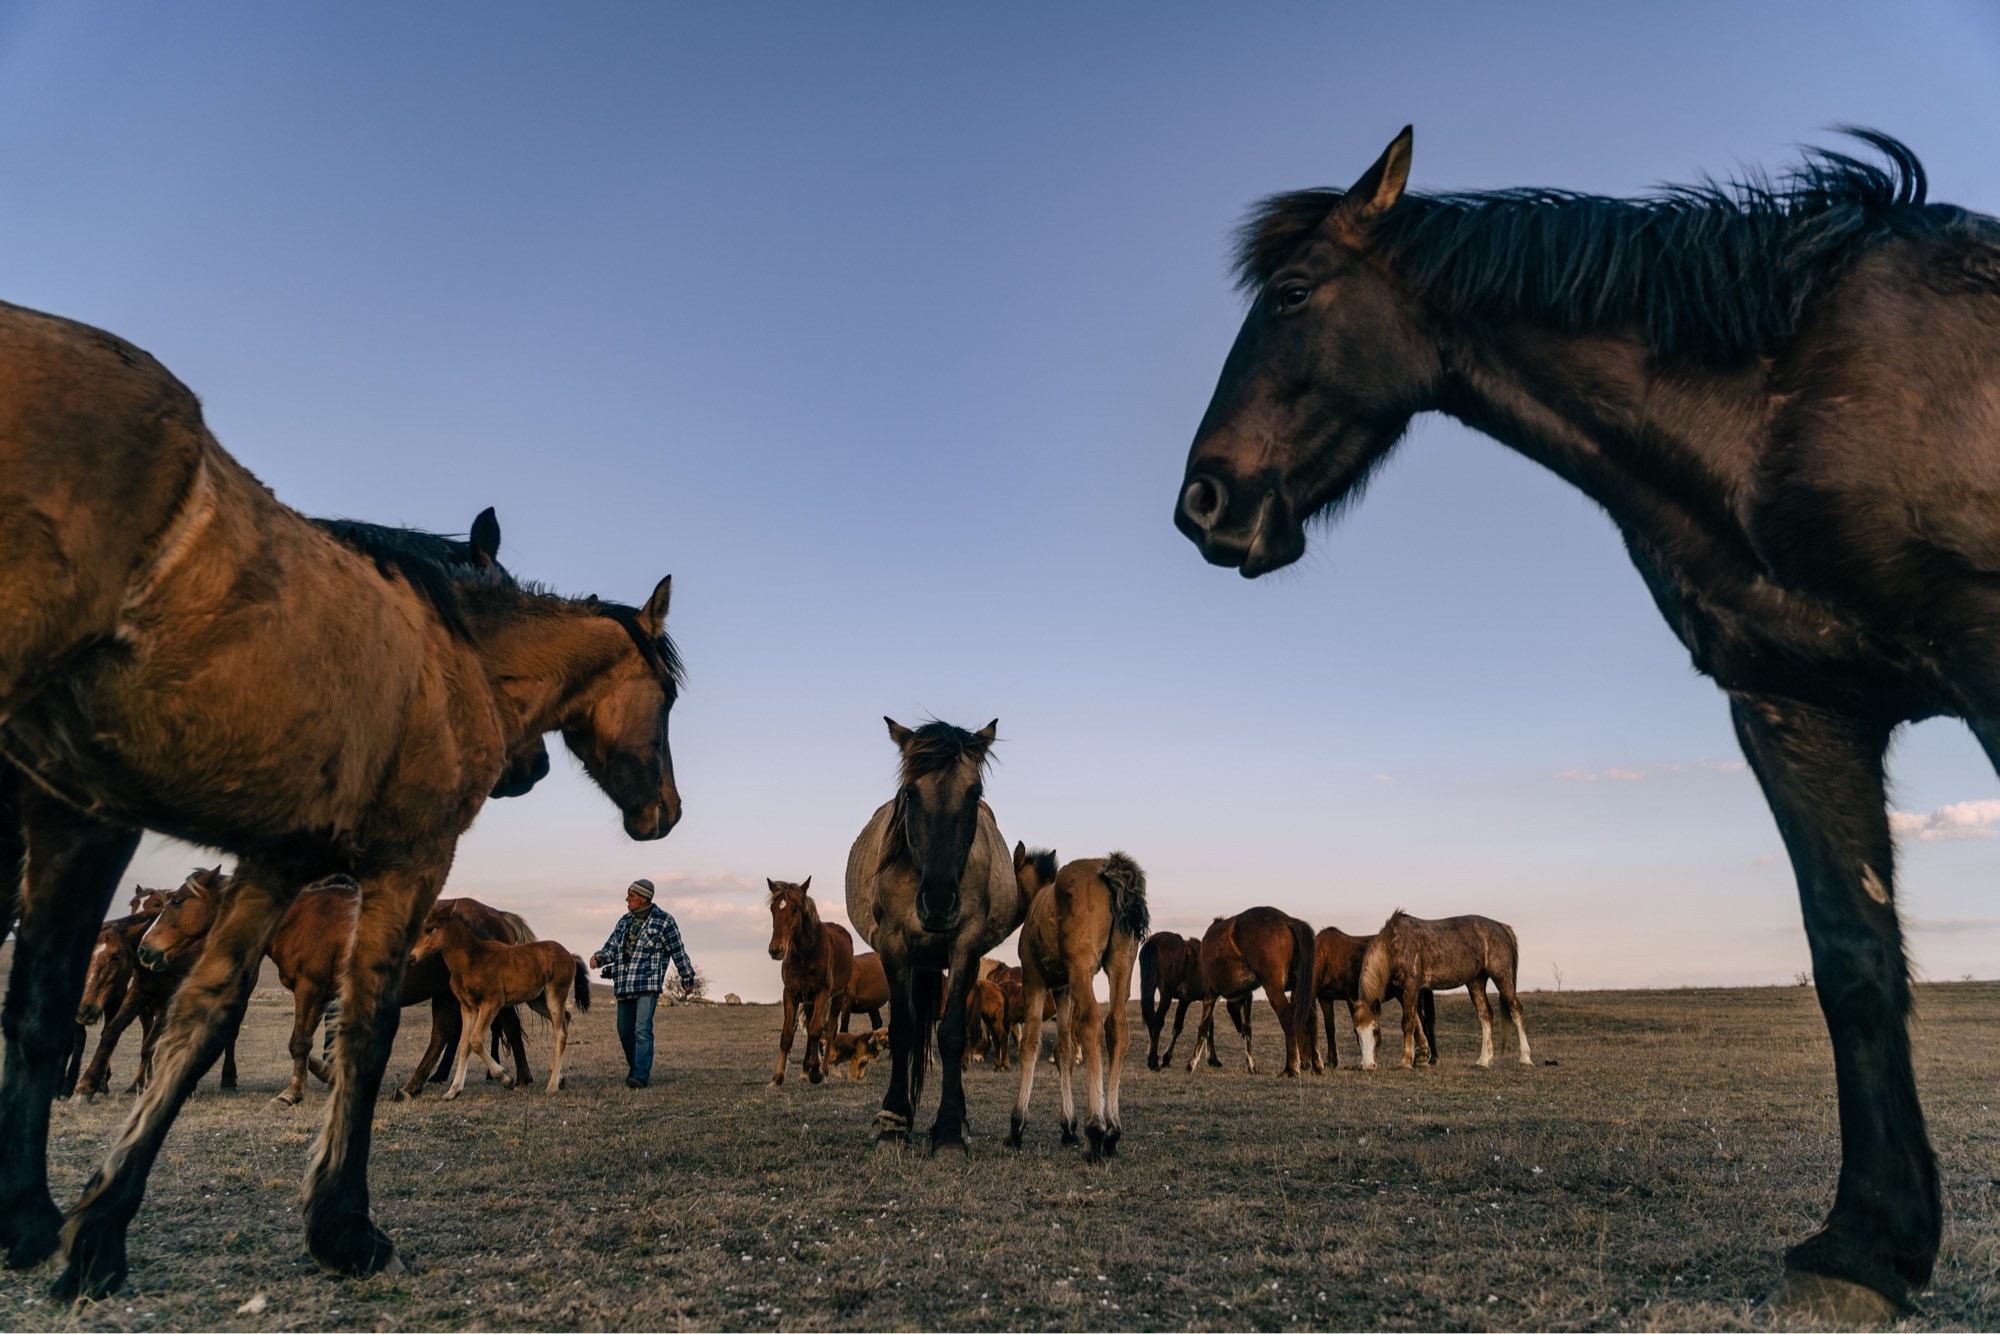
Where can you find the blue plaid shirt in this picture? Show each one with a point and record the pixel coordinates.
(642, 969)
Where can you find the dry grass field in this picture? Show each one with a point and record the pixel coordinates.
(1646, 1175)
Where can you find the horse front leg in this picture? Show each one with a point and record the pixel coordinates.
(949, 1130)
(97, 1075)
(468, 1025)
(1822, 774)
(818, 1022)
(441, 1006)
(339, 1232)
(1412, 1009)
(73, 864)
(785, 1035)
(204, 1013)
(1180, 1017)
(1476, 989)
(892, 1122)
(507, 1024)
(307, 1004)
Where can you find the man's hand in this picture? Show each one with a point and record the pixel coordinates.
(597, 960)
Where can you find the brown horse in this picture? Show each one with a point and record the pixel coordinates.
(162, 958)
(867, 991)
(429, 980)
(1415, 955)
(931, 886)
(817, 971)
(1259, 947)
(179, 651)
(1092, 921)
(1169, 976)
(1337, 978)
(487, 976)
(986, 1010)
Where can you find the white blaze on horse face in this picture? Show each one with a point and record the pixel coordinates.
(1366, 1032)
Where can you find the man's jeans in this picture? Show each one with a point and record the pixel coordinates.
(635, 1033)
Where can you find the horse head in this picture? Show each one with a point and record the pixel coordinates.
(1330, 364)
(110, 970)
(441, 927)
(936, 814)
(184, 920)
(790, 905)
(619, 732)
(1034, 871)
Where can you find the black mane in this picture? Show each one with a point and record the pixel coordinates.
(1044, 862)
(432, 564)
(937, 746)
(1713, 271)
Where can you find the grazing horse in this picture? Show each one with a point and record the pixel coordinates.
(487, 976)
(179, 651)
(931, 887)
(818, 969)
(430, 981)
(1781, 394)
(1092, 922)
(1415, 956)
(1169, 976)
(1259, 947)
(1337, 977)
(867, 991)
(164, 951)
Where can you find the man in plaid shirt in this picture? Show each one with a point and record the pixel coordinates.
(635, 959)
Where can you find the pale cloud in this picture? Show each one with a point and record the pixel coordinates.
(1611, 775)
(1764, 860)
(1964, 819)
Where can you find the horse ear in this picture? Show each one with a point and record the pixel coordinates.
(485, 538)
(1381, 185)
(897, 732)
(807, 885)
(654, 616)
(1020, 855)
(988, 734)
(771, 884)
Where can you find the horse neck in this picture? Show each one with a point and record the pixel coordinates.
(1641, 437)
(546, 661)
(807, 933)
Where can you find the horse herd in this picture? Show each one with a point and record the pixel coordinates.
(1780, 392)
(471, 964)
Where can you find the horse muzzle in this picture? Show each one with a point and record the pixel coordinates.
(1245, 523)
(151, 959)
(651, 821)
(87, 1013)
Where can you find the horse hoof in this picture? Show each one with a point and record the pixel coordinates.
(950, 1142)
(1111, 1138)
(359, 1250)
(404, 1095)
(449, 1095)
(96, 1266)
(287, 1099)
(1069, 1136)
(892, 1140)
(32, 1232)
(1835, 1301)
(506, 1081)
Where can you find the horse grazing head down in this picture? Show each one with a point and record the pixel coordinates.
(790, 904)
(620, 733)
(184, 920)
(937, 811)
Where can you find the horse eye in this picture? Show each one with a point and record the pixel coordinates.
(1293, 295)
(978, 791)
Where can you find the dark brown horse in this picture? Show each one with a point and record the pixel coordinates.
(1412, 955)
(1091, 920)
(1259, 947)
(181, 652)
(1782, 395)
(867, 991)
(488, 976)
(931, 886)
(1337, 979)
(818, 968)
(1169, 978)
(161, 960)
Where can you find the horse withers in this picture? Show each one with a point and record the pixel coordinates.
(817, 969)
(487, 976)
(1091, 922)
(178, 652)
(1417, 956)
(1781, 393)
(931, 886)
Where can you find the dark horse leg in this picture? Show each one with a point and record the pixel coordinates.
(1822, 774)
(78, 1040)
(203, 1015)
(950, 1127)
(72, 864)
(339, 1232)
(892, 1123)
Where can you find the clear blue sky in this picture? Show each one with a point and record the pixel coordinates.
(885, 330)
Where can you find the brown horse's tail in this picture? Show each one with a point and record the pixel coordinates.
(1127, 883)
(519, 926)
(1375, 963)
(582, 984)
(1149, 983)
(1305, 1012)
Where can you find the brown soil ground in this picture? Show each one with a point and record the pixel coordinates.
(1646, 1175)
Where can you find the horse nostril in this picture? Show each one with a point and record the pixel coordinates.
(1204, 501)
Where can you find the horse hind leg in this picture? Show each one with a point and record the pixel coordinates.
(72, 869)
(559, 1019)
(1510, 1001)
(1822, 774)
(1031, 1052)
(1066, 1038)
(1477, 990)
(307, 1004)
(443, 1034)
(1204, 1035)
(1118, 1034)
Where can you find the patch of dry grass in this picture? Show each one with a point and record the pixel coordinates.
(1649, 1178)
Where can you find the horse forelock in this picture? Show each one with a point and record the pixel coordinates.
(1717, 270)
(938, 746)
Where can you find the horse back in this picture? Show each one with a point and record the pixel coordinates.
(313, 936)
(1337, 964)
